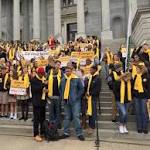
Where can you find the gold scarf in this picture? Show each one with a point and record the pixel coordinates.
(25, 78)
(148, 52)
(122, 91)
(122, 88)
(138, 85)
(109, 57)
(11, 54)
(42, 79)
(89, 110)
(50, 84)
(67, 86)
(134, 72)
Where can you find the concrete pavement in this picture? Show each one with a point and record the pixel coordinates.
(8, 142)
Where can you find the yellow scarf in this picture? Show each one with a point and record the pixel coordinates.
(89, 110)
(138, 85)
(97, 53)
(109, 57)
(116, 77)
(122, 88)
(6, 79)
(67, 86)
(11, 54)
(122, 91)
(50, 84)
(25, 79)
(42, 79)
(134, 72)
(148, 52)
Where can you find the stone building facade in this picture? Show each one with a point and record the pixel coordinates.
(37, 19)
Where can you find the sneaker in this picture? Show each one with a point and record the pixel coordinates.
(81, 138)
(125, 129)
(121, 129)
(21, 118)
(38, 138)
(15, 116)
(11, 116)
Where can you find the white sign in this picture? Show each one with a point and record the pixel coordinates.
(28, 55)
(17, 91)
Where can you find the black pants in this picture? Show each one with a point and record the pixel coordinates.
(39, 117)
(24, 108)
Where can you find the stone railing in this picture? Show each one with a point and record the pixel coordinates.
(141, 26)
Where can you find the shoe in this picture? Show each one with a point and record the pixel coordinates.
(81, 138)
(26, 118)
(90, 131)
(38, 138)
(11, 116)
(64, 136)
(15, 116)
(139, 131)
(125, 129)
(121, 129)
(145, 131)
(114, 120)
(21, 118)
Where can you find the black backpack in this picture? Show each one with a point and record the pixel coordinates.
(50, 131)
(110, 82)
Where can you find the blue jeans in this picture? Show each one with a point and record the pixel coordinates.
(72, 111)
(92, 118)
(106, 70)
(141, 113)
(123, 112)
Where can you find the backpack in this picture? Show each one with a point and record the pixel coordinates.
(50, 131)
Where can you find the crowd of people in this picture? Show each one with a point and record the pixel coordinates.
(76, 84)
(52, 84)
(130, 85)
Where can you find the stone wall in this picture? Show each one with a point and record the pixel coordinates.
(141, 26)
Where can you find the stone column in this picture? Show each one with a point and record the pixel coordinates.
(80, 19)
(0, 19)
(36, 19)
(44, 33)
(57, 18)
(106, 33)
(133, 6)
(16, 20)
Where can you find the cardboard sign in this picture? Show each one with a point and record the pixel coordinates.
(64, 60)
(17, 88)
(85, 55)
(42, 63)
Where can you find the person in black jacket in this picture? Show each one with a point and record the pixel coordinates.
(93, 92)
(141, 93)
(38, 101)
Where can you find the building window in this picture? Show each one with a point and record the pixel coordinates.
(21, 35)
(71, 31)
(21, 7)
(68, 2)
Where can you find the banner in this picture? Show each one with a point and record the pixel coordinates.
(28, 55)
(64, 60)
(17, 88)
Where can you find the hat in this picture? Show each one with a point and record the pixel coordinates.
(41, 70)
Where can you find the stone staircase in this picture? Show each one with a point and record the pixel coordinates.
(107, 128)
